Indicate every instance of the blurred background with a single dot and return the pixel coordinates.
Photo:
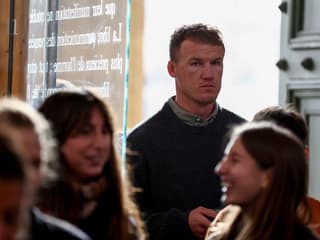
(251, 31)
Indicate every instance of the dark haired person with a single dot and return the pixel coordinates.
(175, 151)
(12, 184)
(87, 187)
(30, 133)
(264, 176)
(291, 119)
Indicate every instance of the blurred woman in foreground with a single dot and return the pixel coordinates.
(85, 186)
(263, 177)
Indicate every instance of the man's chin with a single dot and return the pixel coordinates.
(207, 101)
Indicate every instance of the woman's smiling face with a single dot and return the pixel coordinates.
(87, 151)
(242, 179)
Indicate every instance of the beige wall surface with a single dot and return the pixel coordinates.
(136, 76)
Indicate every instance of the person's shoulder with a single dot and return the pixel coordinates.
(48, 227)
(230, 116)
(145, 126)
(314, 205)
(223, 222)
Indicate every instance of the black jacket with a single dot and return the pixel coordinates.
(45, 227)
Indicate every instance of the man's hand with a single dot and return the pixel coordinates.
(199, 220)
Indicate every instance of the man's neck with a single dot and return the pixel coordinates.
(201, 110)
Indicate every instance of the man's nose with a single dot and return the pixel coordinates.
(207, 71)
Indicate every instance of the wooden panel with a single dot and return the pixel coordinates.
(4, 45)
(136, 76)
(20, 49)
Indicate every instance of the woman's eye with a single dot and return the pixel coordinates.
(35, 163)
(85, 131)
(105, 130)
(233, 159)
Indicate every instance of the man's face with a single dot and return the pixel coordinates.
(197, 72)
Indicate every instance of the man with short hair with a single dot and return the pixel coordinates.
(177, 149)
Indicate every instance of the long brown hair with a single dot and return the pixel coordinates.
(275, 213)
(68, 112)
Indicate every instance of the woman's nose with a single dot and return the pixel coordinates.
(100, 139)
(221, 167)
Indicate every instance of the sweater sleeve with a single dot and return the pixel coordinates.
(172, 224)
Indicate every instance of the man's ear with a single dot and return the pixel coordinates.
(171, 68)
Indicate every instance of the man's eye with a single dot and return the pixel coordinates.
(217, 62)
(195, 64)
